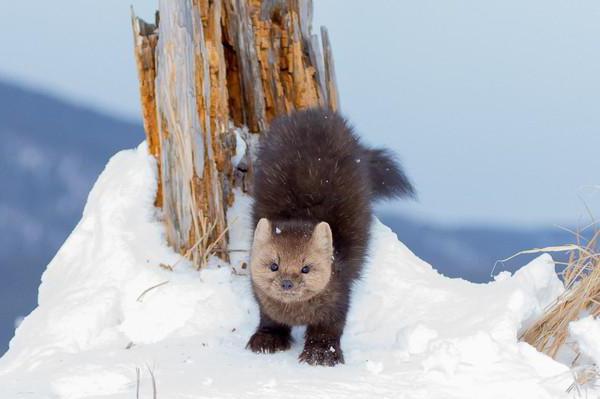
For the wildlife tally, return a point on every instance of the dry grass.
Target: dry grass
(141, 296)
(210, 247)
(138, 373)
(581, 277)
(581, 298)
(584, 378)
(207, 247)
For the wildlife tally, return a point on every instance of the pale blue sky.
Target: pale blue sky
(494, 107)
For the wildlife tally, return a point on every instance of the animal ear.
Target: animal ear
(262, 234)
(322, 237)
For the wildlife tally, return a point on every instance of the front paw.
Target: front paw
(324, 352)
(269, 342)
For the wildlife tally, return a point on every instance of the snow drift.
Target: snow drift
(110, 317)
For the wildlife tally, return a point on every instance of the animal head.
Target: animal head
(291, 262)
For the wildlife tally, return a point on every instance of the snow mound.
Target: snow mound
(586, 333)
(110, 318)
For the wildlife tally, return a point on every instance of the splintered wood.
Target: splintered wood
(207, 67)
(145, 38)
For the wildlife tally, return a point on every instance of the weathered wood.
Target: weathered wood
(181, 137)
(283, 46)
(210, 68)
(145, 38)
(242, 40)
(330, 81)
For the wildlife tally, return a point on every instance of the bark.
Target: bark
(211, 68)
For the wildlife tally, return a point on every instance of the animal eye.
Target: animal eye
(274, 267)
(305, 269)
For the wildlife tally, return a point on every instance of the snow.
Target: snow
(240, 145)
(239, 222)
(109, 312)
(586, 333)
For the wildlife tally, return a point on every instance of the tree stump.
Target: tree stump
(210, 71)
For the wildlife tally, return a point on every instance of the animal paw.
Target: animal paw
(322, 353)
(269, 342)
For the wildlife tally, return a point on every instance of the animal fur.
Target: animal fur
(313, 189)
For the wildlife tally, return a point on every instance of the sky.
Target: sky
(493, 107)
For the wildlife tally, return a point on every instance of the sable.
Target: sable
(313, 189)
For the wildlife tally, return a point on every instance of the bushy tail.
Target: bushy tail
(387, 178)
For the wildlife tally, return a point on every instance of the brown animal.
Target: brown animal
(313, 189)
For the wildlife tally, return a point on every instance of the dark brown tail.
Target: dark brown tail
(387, 178)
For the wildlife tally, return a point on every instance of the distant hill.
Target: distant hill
(52, 152)
(471, 252)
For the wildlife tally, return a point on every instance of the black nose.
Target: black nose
(287, 284)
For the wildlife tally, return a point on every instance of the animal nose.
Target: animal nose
(287, 284)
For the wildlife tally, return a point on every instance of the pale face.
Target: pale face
(291, 267)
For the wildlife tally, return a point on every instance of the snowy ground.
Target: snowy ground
(412, 333)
